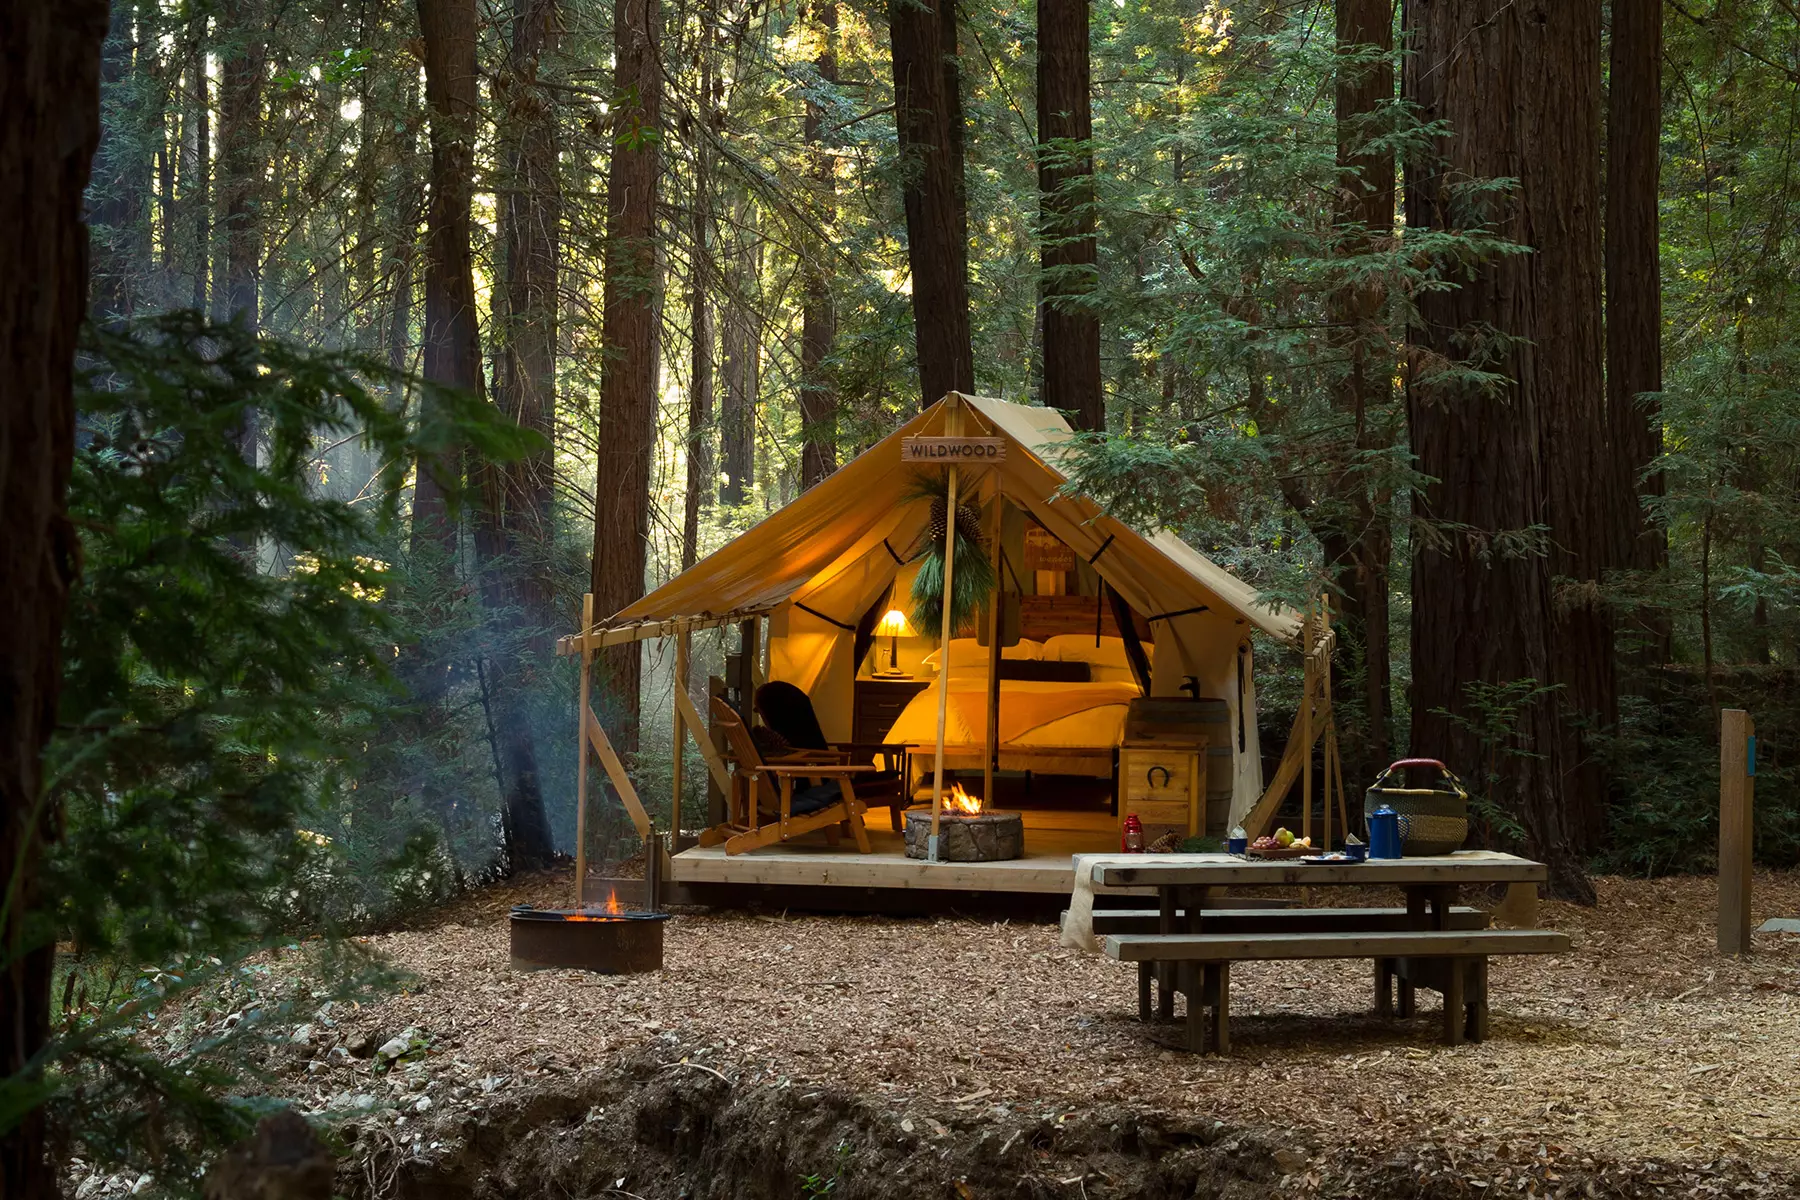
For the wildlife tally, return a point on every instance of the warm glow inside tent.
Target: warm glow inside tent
(815, 568)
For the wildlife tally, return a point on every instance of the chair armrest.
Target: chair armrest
(808, 770)
(809, 756)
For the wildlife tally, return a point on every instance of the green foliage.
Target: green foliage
(225, 644)
(1494, 716)
(972, 580)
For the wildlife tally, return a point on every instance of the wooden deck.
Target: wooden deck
(1051, 841)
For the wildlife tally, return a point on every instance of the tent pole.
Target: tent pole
(992, 739)
(581, 741)
(1310, 683)
(681, 674)
(952, 428)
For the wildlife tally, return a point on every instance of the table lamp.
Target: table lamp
(893, 627)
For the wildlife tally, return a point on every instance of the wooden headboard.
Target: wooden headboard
(1042, 617)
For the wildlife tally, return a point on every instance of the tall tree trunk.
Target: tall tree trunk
(1515, 80)
(240, 130)
(818, 322)
(700, 323)
(1357, 536)
(513, 531)
(197, 171)
(118, 180)
(627, 424)
(452, 347)
(1634, 291)
(50, 93)
(531, 220)
(740, 362)
(1068, 249)
(928, 118)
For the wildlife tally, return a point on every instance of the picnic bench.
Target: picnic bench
(1187, 944)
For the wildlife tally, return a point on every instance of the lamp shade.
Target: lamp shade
(893, 625)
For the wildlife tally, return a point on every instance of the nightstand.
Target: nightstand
(879, 703)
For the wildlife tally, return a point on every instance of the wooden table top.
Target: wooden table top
(1174, 870)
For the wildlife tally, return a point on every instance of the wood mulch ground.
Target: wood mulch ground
(1643, 1042)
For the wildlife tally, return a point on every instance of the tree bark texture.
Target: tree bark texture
(1357, 536)
(512, 529)
(627, 419)
(1516, 81)
(818, 320)
(700, 469)
(241, 71)
(1634, 288)
(928, 118)
(531, 221)
(1068, 249)
(50, 93)
(740, 353)
(116, 198)
(452, 347)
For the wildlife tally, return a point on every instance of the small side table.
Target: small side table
(1164, 784)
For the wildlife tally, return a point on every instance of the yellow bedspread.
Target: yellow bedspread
(1032, 713)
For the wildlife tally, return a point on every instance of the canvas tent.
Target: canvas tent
(814, 567)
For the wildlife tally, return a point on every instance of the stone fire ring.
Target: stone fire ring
(982, 837)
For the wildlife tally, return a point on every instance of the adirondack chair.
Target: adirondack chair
(788, 711)
(766, 807)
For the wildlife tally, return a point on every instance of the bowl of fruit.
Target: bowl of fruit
(1280, 844)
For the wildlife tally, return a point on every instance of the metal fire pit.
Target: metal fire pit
(611, 943)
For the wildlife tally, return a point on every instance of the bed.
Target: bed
(1067, 726)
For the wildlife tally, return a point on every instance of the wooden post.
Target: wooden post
(1737, 804)
(1330, 722)
(952, 428)
(581, 741)
(1308, 682)
(676, 780)
(747, 672)
(991, 744)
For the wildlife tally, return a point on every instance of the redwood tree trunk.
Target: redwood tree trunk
(818, 322)
(1358, 535)
(1515, 80)
(1068, 250)
(740, 360)
(928, 118)
(240, 161)
(700, 322)
(50, 93)
(627, 422)
(1634, 290)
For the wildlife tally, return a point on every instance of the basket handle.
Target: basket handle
(1446, 772)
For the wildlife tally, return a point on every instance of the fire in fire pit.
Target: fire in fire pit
(967, 832)
(611, 941)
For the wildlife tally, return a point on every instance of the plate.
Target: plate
(1320, 860)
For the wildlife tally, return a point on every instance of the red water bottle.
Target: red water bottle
(1131, 838)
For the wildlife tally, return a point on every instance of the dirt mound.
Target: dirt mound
(655, 1129)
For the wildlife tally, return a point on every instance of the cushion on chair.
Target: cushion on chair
(818, 796)
(787, 710)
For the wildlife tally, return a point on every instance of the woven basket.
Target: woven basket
(1433, 820)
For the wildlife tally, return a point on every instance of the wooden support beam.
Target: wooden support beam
(677, 768)
(587, 676)
(615, 770)
(690, 716)
(1737, 826)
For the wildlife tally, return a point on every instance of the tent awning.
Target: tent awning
(853, 513)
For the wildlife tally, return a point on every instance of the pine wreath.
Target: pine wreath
(974, 577)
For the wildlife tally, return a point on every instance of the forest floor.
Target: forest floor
(1641, 1058)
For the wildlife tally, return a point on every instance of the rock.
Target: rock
(1290, 1161)
(363, 1044)
(392, 1048)
(423, 1104)
(302, 1036)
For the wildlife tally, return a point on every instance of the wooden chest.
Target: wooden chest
(879, 703)
(1165, 786)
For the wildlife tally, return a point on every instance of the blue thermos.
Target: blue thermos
(1384, 833)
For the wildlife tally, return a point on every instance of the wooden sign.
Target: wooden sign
(1044, 551)
(953, 451)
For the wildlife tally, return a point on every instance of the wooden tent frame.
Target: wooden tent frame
(1315, 721)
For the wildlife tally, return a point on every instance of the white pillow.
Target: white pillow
(964, 652)
(1080, 647)
(1025, 650)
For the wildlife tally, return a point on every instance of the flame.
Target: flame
(961, 803)
(612, 902)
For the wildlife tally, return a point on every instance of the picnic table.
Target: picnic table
(1187, 943)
